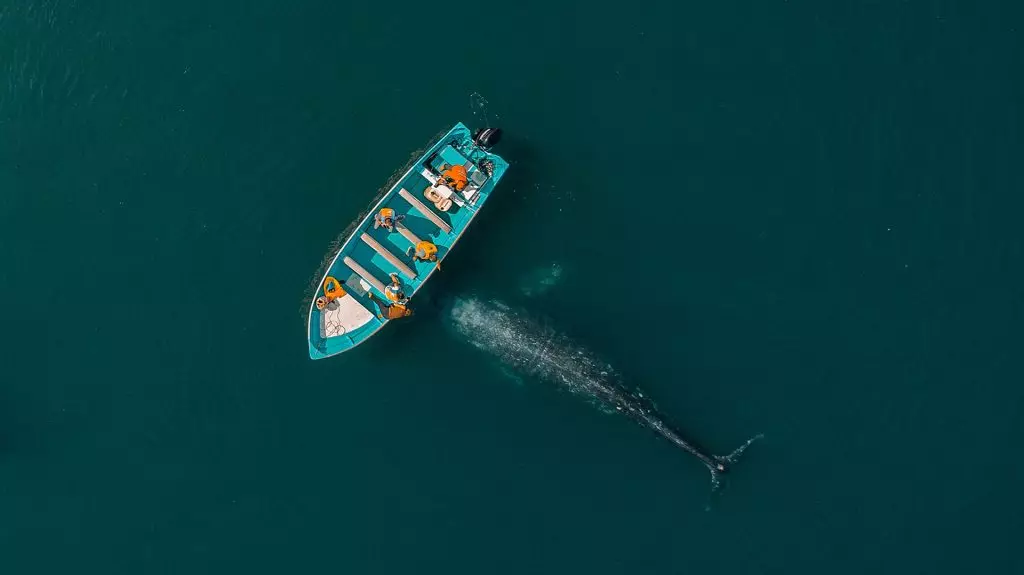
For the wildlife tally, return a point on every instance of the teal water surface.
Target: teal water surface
(788, 218)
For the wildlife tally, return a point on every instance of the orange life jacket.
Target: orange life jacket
(456, 177)
(397, 310)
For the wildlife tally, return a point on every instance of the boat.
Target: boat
(375, 276)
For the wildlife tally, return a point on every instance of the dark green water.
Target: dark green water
(835, 203)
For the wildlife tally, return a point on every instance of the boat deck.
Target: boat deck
(370, 255)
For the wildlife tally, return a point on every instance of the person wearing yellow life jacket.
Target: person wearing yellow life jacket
(332, 291)
(455, 177)
(388, 218)
(424, 252)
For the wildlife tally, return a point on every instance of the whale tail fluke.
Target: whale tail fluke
(722, 463)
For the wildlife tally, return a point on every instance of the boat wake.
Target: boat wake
(533, 349)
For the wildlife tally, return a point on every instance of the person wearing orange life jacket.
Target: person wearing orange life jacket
(397, 304)
(391, 310)
(424, 252)
(455, 177)
(388, 218)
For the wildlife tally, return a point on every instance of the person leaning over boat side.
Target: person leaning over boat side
(387, 218)
(399, 304)
(396, 310)
(394, 291)
(424, 252)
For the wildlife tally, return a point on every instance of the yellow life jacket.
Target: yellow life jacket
(387, 213)
(332, 288)
(426, 250)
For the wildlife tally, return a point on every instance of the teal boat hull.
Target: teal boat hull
(368, 256)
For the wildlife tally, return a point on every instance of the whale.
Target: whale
(537, 350)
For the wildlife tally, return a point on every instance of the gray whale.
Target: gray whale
(537, 350)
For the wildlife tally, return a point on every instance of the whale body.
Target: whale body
(539, 351)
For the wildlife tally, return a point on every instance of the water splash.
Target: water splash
(735, 455)
(730, 460)
(479, 107)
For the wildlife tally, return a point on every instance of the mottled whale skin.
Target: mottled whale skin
(537, 350)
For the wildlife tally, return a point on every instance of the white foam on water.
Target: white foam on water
(735, 455)
(478, 106)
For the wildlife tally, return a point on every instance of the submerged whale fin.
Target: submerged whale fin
(724, 462)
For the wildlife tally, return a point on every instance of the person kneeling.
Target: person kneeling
(424, 252)
(387, 218)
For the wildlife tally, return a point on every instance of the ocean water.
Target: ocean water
(789, 218)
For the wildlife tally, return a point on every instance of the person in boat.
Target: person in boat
(394, 310)
(424, 252)
(394, 291)
(332, 291)
(455, 177)
(388, 218)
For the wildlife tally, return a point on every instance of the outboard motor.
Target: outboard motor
(486, 138)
